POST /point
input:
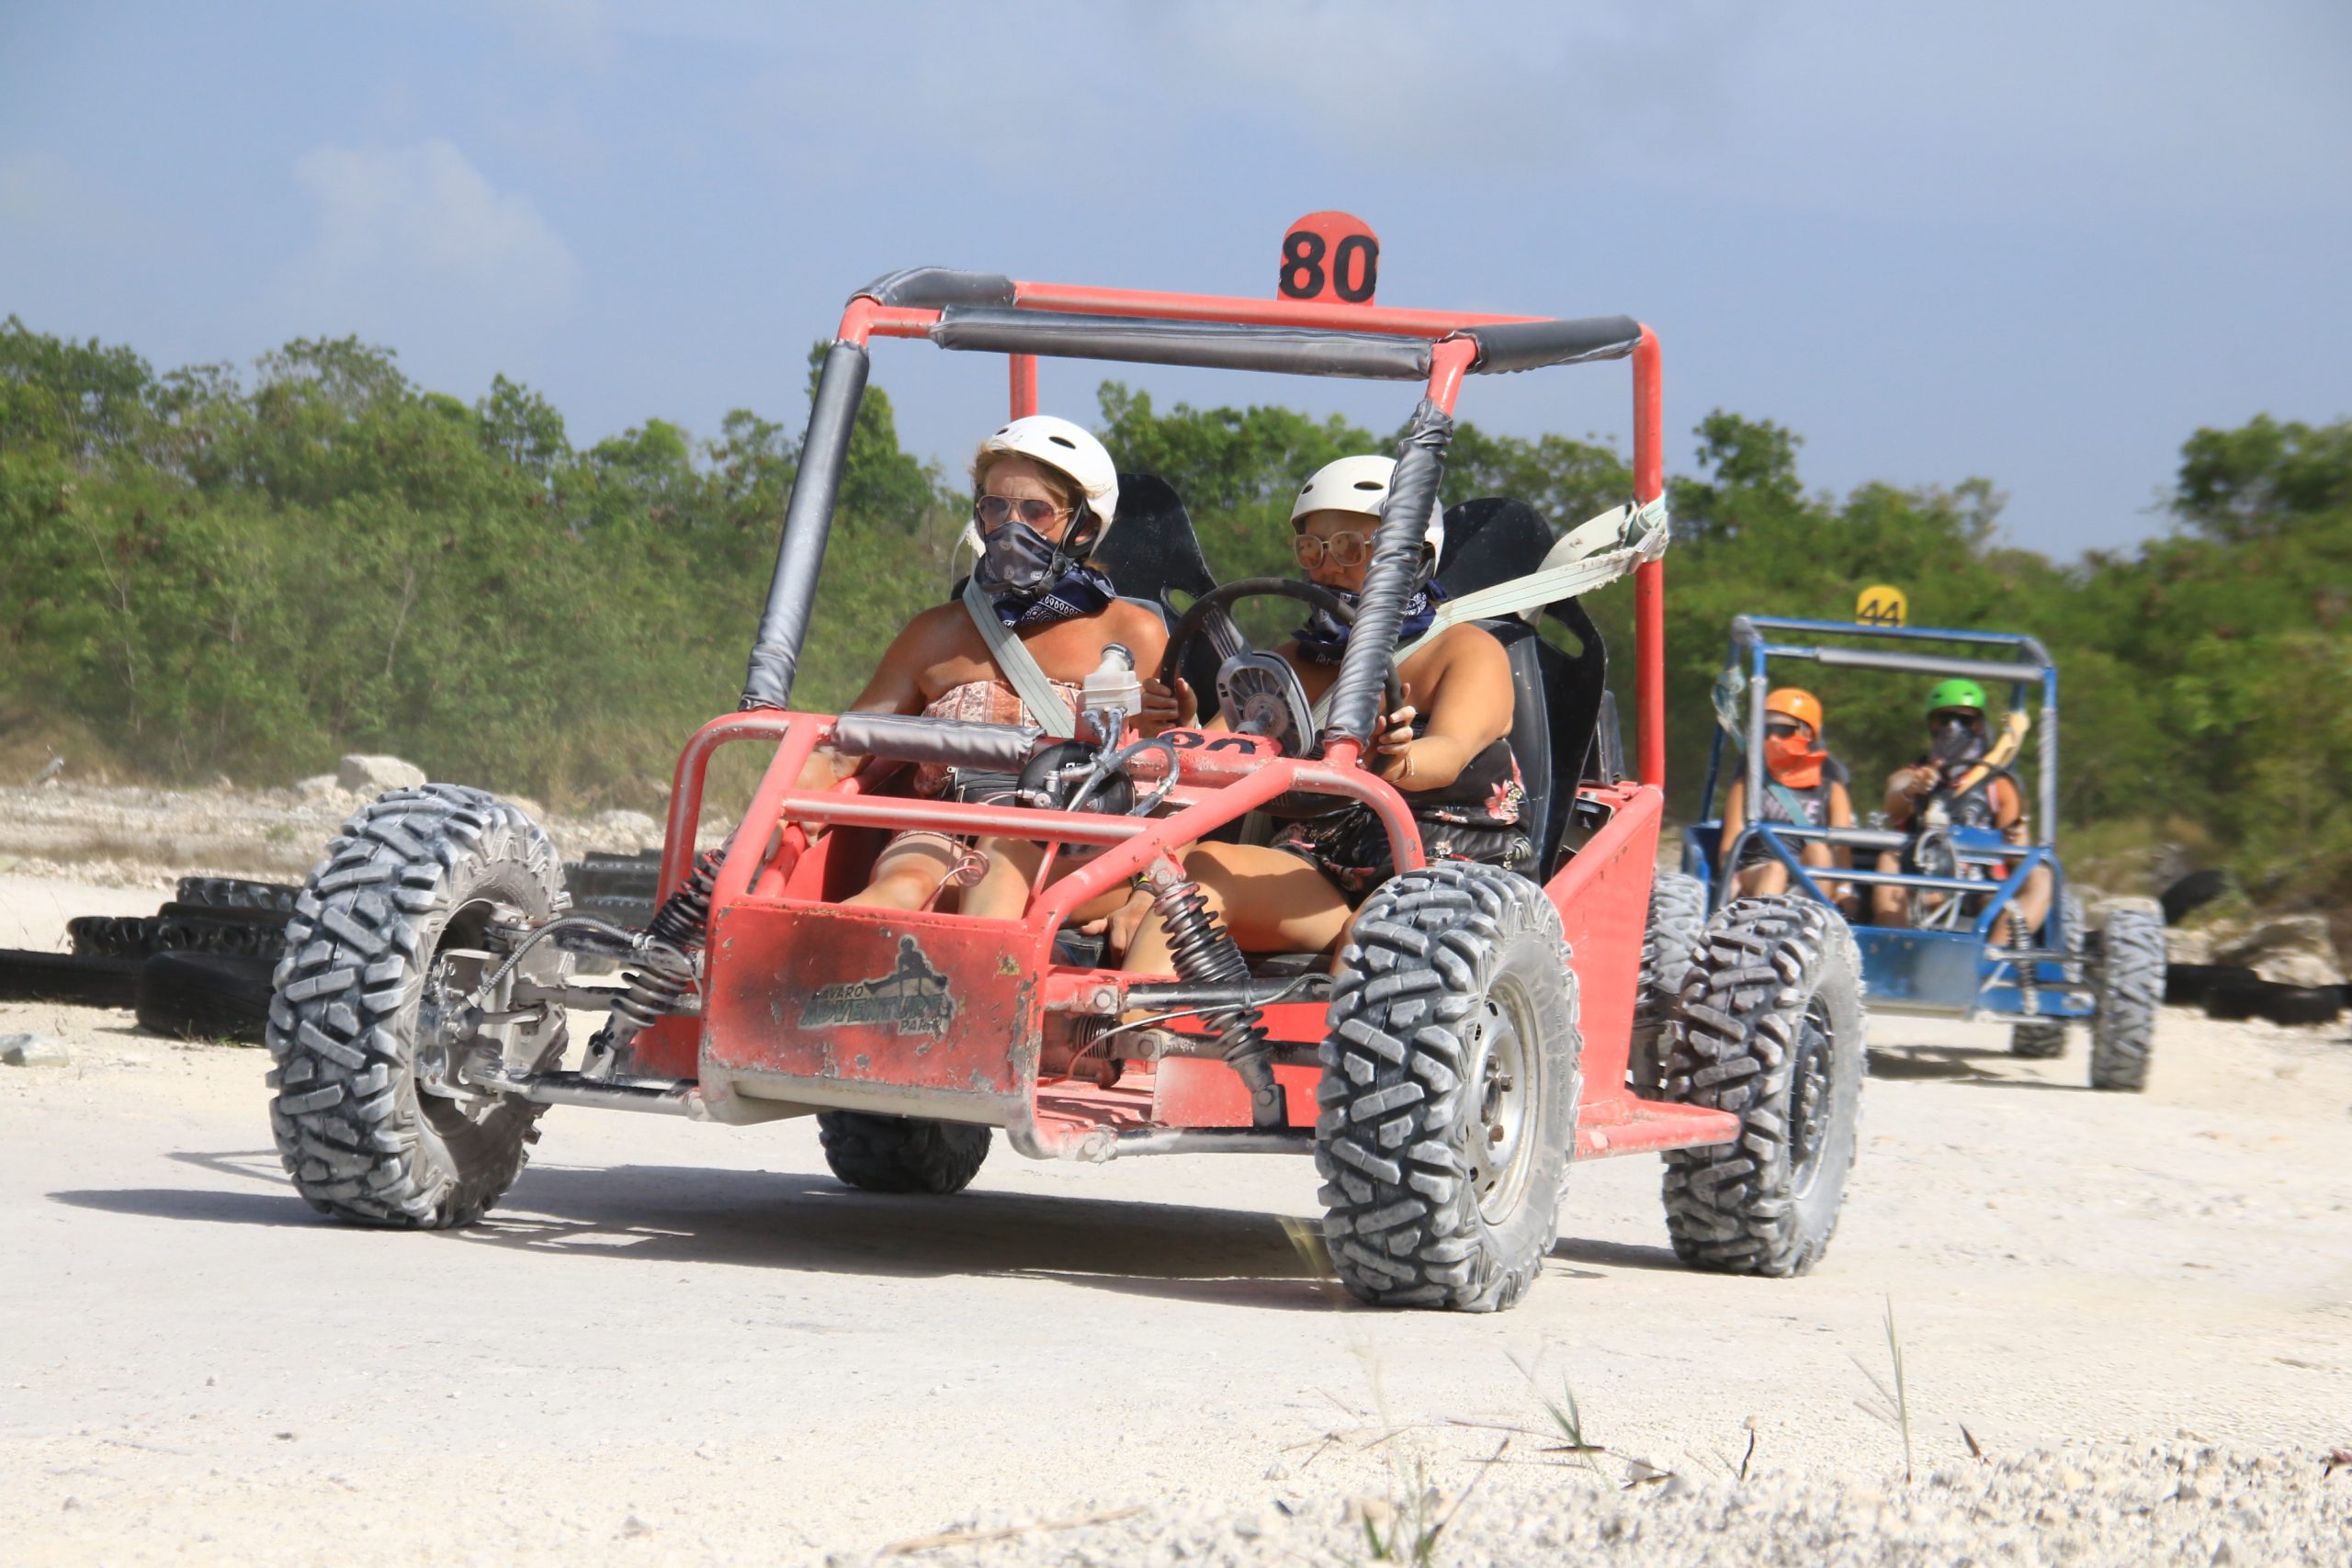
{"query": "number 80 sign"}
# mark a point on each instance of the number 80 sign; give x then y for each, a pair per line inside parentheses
(1330, 256)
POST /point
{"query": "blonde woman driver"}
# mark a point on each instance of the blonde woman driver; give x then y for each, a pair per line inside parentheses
(1043, 494)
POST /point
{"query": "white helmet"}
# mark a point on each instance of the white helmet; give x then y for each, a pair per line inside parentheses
(1066, 448)
(1361, 485)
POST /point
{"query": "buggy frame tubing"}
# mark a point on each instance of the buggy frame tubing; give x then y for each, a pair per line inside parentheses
(1761, 653)
(2033, 666)
(808, 522)
(1133, 842)
(864, 317)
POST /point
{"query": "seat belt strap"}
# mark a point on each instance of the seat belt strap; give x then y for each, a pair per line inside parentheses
(1578, 563)
(1021, 668)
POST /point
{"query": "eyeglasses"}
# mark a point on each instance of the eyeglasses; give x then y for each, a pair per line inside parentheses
(1955, 719)
(1781, 730)
(995, 510)
(1344, 548)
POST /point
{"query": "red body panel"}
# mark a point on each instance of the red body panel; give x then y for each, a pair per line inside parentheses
(848, 1003)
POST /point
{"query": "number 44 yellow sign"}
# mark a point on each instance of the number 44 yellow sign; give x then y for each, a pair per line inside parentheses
(1882, 605)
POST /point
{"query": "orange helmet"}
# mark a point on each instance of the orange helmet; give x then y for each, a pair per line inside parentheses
(1796, 702)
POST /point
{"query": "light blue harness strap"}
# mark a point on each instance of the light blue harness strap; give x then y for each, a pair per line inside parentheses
(1026, 676)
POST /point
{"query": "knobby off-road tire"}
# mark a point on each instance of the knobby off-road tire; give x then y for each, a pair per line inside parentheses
(1678, 915)
(901, 1154)
(1451, 1077)
(2042, 1039)
(2127, 980)
(1770, 1027)
(361, 996)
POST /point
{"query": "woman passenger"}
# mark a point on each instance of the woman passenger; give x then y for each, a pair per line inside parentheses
(1445, 749)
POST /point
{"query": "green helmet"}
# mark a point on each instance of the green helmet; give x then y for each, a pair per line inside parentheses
(1956, 695)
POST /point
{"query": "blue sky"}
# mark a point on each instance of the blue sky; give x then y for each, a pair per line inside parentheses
(2040, 244)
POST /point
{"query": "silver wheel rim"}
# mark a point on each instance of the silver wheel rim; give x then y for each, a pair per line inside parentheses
(1810, 1098)
(447, 1103)
(1506, 1086)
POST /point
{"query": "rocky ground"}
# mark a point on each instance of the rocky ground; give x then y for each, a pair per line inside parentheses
(2125, 1325)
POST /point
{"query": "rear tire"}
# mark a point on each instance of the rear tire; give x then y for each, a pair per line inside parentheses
(1451, 1079)
(1770, 1027)
(365, 1122)
(2037, 1041)
(901, 1154)
(1678, 915)
(2129, 983)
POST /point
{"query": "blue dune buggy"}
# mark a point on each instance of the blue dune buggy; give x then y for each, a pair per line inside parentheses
(1961, 955)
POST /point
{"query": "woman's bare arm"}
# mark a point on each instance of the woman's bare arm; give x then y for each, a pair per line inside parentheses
(895, 687)
(1735, 815)
(1469, 706)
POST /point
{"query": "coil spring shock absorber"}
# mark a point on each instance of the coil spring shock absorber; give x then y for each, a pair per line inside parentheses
(1205, 954)
(2022, 935)
(655, 990)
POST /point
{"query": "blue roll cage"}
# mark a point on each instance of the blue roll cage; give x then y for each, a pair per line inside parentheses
(1906, 969)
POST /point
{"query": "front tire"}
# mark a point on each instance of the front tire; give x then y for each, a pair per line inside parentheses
(2128, 981)
(385, 936)
(1451, 1079)
(1771, 1028)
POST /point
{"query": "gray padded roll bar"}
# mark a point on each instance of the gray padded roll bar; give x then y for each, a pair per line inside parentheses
(955, 743)
(1920, 664)
(807, 520)
(935, 288)
(1397, 547)
(1215, 345)
(1506, 346)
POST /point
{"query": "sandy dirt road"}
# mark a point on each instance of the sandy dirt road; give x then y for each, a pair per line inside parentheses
(686, 1344)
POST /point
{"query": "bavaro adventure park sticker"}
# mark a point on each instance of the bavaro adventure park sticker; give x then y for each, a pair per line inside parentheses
(910, 1000)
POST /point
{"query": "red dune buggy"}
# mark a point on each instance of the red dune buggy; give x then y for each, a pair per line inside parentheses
(1473, 1039)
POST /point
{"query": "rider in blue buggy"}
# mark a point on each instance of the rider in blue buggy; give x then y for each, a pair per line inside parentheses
(1969, 913)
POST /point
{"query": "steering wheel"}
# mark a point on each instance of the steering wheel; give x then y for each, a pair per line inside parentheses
(1260, 689)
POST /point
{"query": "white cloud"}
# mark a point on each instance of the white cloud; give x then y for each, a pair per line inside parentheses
(408, 231)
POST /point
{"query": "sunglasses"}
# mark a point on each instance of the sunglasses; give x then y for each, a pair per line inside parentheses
(995, 510)
(1344, 548)
(1783, 730)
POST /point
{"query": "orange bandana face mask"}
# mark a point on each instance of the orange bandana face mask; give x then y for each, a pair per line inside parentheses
(1792, 760)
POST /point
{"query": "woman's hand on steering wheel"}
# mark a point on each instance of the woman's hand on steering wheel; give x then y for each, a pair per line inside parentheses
(1392, 742)
(1166, 709)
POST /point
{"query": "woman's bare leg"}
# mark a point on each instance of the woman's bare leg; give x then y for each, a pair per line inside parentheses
(906, 875)
(1271, 902)
(1002, 892)
(1890, 905)
(1761, 880)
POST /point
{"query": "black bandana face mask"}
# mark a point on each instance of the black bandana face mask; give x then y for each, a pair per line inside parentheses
(1323, 640)
(1017, 560)
(1954, 742)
